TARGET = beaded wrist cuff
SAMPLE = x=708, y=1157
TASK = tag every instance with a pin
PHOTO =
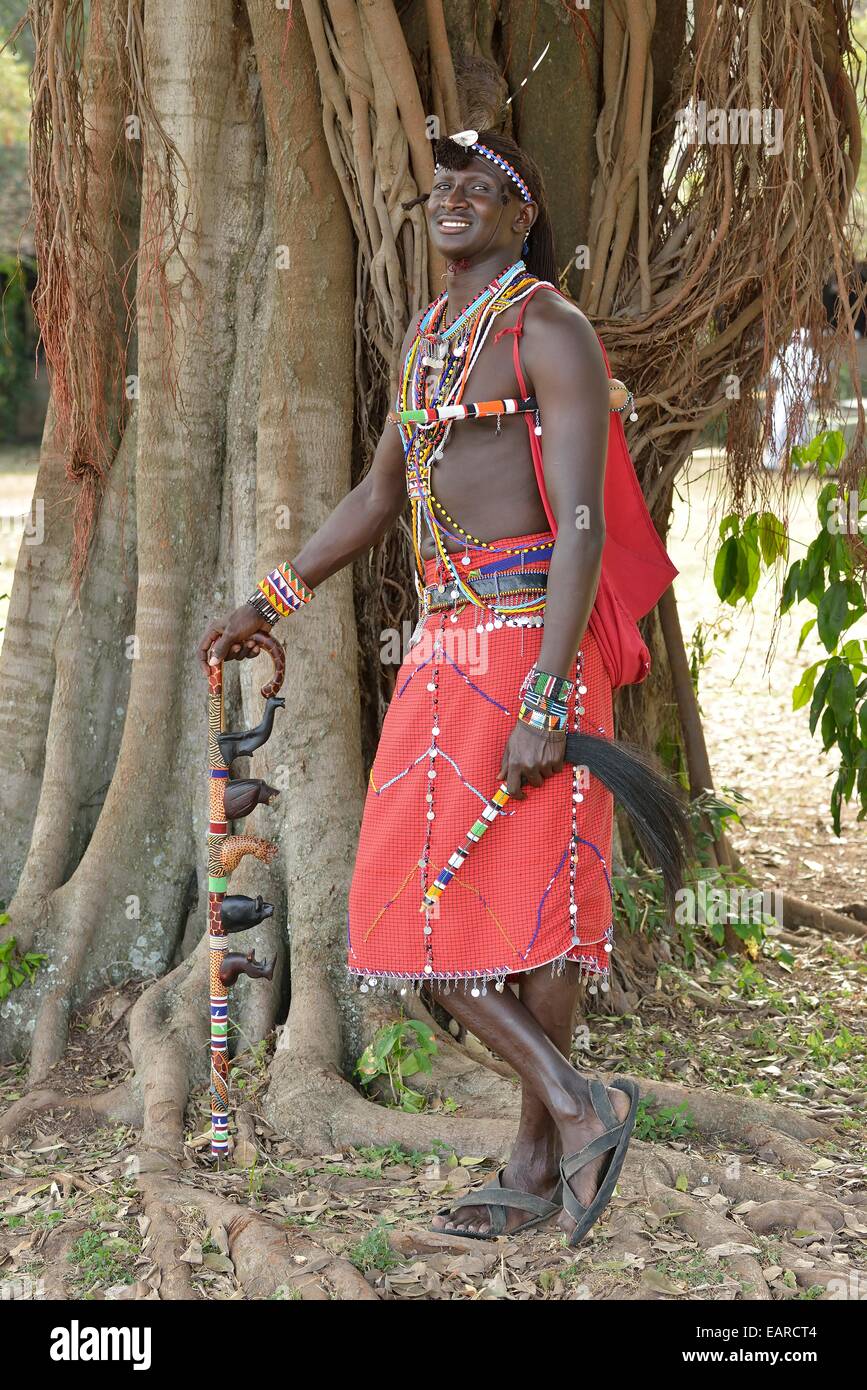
x=283, y=590
x=544, y=700
x=258, y=601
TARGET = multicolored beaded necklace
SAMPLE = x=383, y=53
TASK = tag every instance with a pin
x=451, y=353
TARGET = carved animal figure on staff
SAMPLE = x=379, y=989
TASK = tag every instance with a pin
x=241, y=743
x=235, y=964
x=239, y=912
x=241, y=796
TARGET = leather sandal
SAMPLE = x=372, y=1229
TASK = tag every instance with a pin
x=498, y=1200
x=616, y=1138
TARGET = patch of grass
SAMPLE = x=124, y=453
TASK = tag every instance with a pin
x=373, y=1251
x=691, y=1271
x=393, y=1153
x=98, y=1258
x=48, y=1218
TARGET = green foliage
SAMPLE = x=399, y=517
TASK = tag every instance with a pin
x=16, y=968
x=393, y=1153
x=373, y=1251
x=98, y=1259
x=722, y=896
x=398, y=1050
x=661, y=1124
x=828, y=578
x=737, y=569
x=840, y=1046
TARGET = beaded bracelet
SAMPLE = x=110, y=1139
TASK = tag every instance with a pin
x=544, y=700
x=280, y=593
x=258, y=601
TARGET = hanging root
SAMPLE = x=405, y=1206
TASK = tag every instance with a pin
x=716, y=252
x=75, y=154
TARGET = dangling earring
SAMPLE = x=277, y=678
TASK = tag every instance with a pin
x=526, y=247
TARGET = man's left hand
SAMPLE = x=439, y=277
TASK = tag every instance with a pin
x=531, y=756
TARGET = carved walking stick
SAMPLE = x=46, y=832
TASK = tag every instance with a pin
x=228, y=799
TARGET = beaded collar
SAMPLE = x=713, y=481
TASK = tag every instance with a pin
x=423, y=443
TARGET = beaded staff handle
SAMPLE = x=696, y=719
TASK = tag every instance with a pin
x=224, y=854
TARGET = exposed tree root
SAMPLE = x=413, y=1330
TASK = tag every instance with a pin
x=736, y=1180
x=804, y=915
x=320, y=1111
x=119, y=1104
x=265, y=1257
x=742, y=1119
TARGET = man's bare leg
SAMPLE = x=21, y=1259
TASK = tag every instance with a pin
x=507, y=1026
x=533, y=1164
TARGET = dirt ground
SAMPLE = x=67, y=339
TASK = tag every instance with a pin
x=72, y=1222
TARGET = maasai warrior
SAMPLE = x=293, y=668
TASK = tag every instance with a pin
x=531, y=575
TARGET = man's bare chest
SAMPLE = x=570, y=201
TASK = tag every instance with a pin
x=492, y=377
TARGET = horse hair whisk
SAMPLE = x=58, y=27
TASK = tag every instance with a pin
x=657, y=813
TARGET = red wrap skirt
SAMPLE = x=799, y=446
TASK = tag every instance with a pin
x=536, y=889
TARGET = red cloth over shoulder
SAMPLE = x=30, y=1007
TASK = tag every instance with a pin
x=636, y=568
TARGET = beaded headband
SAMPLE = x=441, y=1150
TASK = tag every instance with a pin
x=469, y=140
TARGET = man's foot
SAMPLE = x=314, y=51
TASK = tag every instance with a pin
x=586, y=1182
x=541, y=1180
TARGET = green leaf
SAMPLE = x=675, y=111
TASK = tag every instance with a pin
x=749, y=566
x=411, y=1100
x=725, y=570
x=819, y=694
x=804, y=689
x=833, y=448
x=829, y=729
x=791, y=587
x=841, y=695
x=772, y=538
x=811, y=577
x=805, y=631
x=681, y=1183
x=833, y=613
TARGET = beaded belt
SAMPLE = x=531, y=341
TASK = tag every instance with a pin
x=495, y=586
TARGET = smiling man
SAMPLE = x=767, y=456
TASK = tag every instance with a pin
x=512, y=551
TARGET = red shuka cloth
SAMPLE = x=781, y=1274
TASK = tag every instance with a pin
x=507, y=910
x=636, y=569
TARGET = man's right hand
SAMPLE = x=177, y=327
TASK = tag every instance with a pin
x=233, y=639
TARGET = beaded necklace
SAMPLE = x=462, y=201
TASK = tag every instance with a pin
x=424, y=443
